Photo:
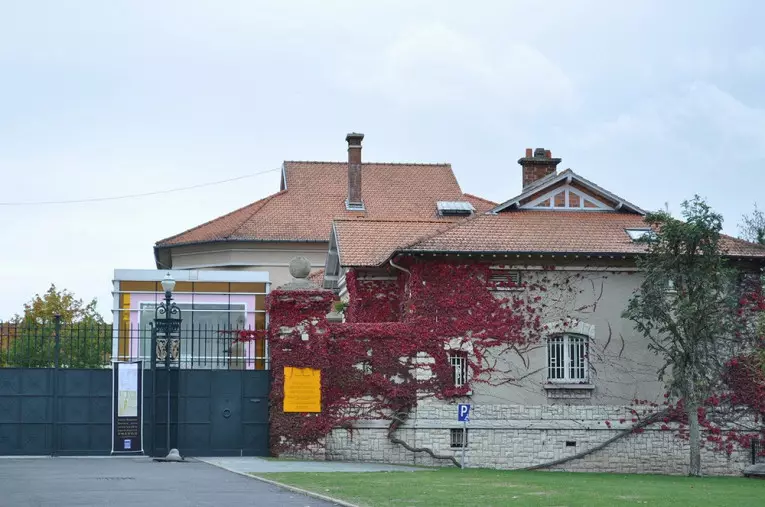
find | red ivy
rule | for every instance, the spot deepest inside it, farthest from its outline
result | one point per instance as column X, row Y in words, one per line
column 392, row 349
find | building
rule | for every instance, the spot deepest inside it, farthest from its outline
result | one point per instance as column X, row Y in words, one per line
column 296, row 220
column 575, row 388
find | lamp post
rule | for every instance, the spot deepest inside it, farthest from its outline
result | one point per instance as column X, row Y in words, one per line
column 167, row 321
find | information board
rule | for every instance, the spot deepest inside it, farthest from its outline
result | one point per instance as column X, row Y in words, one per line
column 127, row 417
column 302, row 389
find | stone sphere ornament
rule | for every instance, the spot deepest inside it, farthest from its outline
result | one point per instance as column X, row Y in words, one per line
column 300, row 267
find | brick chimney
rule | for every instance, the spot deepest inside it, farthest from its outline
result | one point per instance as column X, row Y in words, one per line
column 354, row 171
column 537, row 166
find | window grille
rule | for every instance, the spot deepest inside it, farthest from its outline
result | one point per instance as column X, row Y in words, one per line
column 459, row 364
column 567, row 359
column 756, row 452
column 456, row 438
column 503, row 279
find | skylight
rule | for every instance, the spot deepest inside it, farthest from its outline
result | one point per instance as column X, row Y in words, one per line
column 639, row 234
column 454, row 208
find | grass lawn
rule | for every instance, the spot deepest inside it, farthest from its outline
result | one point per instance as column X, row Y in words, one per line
column 478, row 488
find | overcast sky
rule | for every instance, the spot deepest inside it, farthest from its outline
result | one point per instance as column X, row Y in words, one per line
column 655, row 102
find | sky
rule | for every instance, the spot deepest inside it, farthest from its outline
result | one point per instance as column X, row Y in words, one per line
column 655, row 101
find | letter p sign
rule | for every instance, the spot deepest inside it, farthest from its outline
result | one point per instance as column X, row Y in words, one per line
column 463, row 411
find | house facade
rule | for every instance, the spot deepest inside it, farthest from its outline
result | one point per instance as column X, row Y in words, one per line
column 587, row 381
column 265, row 235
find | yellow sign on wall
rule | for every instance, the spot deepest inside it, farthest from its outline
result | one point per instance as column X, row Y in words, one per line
column 302, row 389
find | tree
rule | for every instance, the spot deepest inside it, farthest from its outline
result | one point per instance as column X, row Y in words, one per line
column 753, row 226
column 43, row 309
column 687, row 306
column 84, row 338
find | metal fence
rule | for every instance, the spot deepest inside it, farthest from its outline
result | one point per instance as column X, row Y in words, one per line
column 90, row 345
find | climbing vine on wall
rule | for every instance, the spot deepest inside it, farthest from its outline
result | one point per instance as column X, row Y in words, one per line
column 733, row 416
column 393, row 349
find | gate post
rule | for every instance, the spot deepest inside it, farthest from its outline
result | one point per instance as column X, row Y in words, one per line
column 54, row 382
column 153, row 389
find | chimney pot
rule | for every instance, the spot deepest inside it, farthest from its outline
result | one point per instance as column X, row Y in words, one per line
column 548, row 154
column 528, row 152
column 354, row 201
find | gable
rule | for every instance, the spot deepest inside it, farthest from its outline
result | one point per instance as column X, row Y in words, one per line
column 568, row 196
column 567, row 191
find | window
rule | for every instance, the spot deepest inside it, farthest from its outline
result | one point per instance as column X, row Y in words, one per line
column 459, row 364
column 365, row 367
column 567, row 359
column 456, row 208
column 639, row 234
column 458, row 438
column 504, row 279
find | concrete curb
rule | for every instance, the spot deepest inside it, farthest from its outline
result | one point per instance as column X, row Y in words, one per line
column 294, row 489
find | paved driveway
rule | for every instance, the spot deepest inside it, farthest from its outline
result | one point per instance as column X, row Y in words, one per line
column 123, row 482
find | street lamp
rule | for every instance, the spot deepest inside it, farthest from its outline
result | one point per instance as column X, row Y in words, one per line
column 167, row 321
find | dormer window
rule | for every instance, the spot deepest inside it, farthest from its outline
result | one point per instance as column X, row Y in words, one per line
column 455, row 208
column 639, row 234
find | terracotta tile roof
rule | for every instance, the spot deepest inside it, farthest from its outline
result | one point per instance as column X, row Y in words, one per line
column 315, row 195
column 740, row 248
column 370, row 242
column 554, row 232
column 317, row 277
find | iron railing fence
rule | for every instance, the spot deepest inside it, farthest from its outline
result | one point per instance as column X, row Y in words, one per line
column 91, row 345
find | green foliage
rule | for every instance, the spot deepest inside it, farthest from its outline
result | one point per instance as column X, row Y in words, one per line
column 82, row 345
column 688, row 307
column 339, row 306
column 42, row 309
column 687, row 303
column 752, row 227
column 85, row 341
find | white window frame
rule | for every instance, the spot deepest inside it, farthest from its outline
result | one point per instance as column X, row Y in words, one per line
column 458, row 360
column 574, row 366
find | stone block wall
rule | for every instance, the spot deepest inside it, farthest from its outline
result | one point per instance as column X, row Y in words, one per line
column 513, row 436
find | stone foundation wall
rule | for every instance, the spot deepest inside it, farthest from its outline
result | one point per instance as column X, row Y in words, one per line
column 509, row 437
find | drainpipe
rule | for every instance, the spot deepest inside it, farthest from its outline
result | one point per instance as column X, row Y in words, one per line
column 401, row 268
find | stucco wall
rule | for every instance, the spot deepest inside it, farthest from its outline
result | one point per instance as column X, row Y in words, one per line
column 273, row 257
column 621, row 366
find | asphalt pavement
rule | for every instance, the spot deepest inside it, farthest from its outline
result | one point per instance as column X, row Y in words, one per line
column 131, row 482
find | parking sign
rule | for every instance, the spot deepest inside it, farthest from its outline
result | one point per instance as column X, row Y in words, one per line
column 463, row 411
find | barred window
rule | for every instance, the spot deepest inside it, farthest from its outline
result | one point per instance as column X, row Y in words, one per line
column 458, row 437
column 459, row 364
column 567, row 358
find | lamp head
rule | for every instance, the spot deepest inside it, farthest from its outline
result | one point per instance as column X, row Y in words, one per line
column 168, row 283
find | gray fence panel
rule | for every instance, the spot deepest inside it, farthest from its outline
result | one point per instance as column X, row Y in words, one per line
column 26, row 414
column 84, row 412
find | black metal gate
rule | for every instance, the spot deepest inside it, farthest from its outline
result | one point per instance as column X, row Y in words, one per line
column 56, row 398
column 212, row 412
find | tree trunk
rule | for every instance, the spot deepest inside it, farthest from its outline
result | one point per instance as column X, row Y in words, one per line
column 695, row 439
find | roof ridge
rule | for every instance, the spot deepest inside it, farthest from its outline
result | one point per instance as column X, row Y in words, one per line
column 328, row 162
column 262, row 202
column 487, row 201
column 450, row 226
column 742, row 240
column 391, row 220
